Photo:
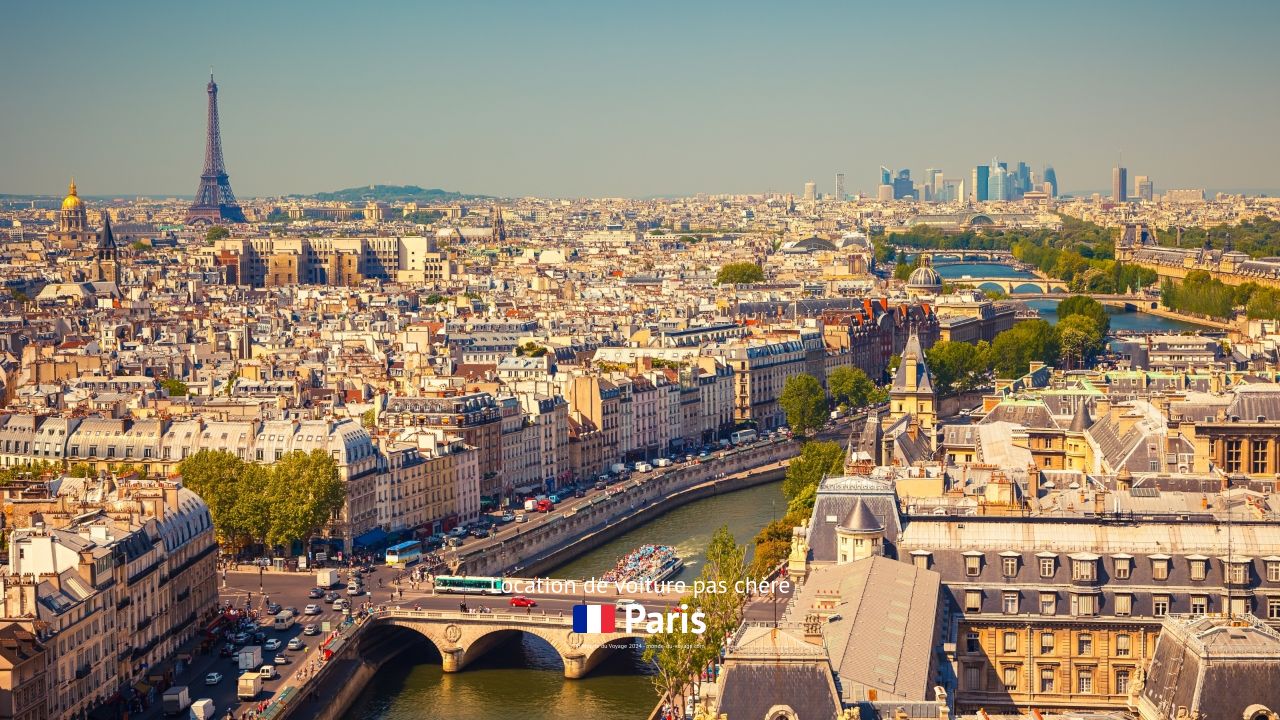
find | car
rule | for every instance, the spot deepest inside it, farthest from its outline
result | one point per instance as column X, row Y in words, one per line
column 342, row 605
column 330, row 597
column 293, row 610
column 315, row 593
column 281, row 660
column 312, row 609
column 267, row 672
column 228, row 650
column 602, row 485
column 294, row 644
column 522, row 601
column 239, row 638
column 271, row 645
column 213, row 678
column 260, row 637
column 479, row 532
column 310, row 630
column 273, row 607
column 579, row 493
column 508, row 517
column 520, row 518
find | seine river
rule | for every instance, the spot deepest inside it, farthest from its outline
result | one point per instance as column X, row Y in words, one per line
column 525, row 678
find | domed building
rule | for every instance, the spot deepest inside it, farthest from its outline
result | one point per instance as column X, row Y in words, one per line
column 924, row 280
column 73, row 223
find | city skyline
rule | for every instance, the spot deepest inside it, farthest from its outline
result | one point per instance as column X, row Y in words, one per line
column 574, row 101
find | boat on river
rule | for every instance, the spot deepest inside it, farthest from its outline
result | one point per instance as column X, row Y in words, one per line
column 647, row 563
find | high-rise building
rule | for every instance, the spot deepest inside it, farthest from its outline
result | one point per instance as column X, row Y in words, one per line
column 1119, row 184
column 884, row 193
column 1051, row 177
column 810, row 191
column 886, row 176
column 1143, row 187
column 902, row 185
column 839, row 187
column 938, row 183
column 981, row 180
column 1024, row 178
column 998, row 184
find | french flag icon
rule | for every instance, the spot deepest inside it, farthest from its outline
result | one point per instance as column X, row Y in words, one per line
column 593, row 618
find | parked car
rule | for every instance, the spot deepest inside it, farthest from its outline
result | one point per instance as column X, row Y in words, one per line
column 213, row 678
column 522, row 601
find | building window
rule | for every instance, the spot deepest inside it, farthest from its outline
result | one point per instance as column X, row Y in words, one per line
column 1199, row 604
column 1238, row 573
column 1083, row 605
column 1009, row 566
column 973, row 677
column 1273, row 571
column 1046, row 680
column 1084, row 644
column 1010, row 603
column 1048, row 603
column 1011, row 673
column 1011, row 642
column 972, row 565
column 1273, row 608
column 1082, row 570
column 1046, row 643
column 1124, row 605
column 1047, row 566
column 1123, row 644
column 1239, row 605
column 1122, row 682
column 1160, row 569
column 1233, row 455
column 971, row 643
column 1122, row 568
column 1258, row 457
column 1160, row 605
column 1199, row 568
column 1084, row 684
column 972, row 600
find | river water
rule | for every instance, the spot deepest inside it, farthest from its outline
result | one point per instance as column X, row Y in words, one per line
column 525, row 678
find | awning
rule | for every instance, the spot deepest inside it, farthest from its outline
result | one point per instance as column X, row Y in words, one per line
column 371, row 538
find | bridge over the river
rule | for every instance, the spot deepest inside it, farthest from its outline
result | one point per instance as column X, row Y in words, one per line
column 1129, row 302
column 957, row 256
column 462, row 637
column 1040, row 287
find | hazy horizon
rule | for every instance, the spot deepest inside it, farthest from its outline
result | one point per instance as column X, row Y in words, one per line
column 572, row 99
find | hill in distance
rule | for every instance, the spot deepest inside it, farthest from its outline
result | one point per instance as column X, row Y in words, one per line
column 394, row 193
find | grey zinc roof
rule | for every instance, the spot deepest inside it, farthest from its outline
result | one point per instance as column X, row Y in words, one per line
column 836, row 498
column 861, row 519
column 922, row 381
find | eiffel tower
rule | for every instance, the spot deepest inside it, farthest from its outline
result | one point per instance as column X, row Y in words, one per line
column 214, row 200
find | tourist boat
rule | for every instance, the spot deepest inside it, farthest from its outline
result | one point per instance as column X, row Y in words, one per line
column 647, row 563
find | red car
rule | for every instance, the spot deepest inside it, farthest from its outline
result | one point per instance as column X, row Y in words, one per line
column 522, row 601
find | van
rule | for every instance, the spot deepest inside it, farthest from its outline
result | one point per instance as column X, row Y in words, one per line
column 355, row 588
column 284, row 620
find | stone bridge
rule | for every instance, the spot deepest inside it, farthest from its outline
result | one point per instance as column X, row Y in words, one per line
column 463, row 637
column 1013, row 286
column 942, row 257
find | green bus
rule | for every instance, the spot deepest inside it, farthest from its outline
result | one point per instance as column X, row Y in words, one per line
column 472, row 585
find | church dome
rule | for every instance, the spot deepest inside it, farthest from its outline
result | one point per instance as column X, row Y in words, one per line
column 72, row 201
column 925, row 277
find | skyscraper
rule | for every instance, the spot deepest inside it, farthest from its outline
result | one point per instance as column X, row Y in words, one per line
column 998, row 184
column 886, row 176
column 981, row 179
column 1051, row 177
column 1120, row 184
column 1024, row 178
column 1143, row 187
column 902, row 185
column 839, row 186
column 810, row 191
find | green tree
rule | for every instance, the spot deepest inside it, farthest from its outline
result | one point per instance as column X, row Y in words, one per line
column 1080, row 339
column 850, row 386
column 676, row 657
column 1015, row 348
column 81, row 470
column 773, row 544
column 369, row 419
column 815, row 461
column 304, row 492
column 435, row 299
column 174, row 387
column 742, row 273
column 1087, row 306
column 216, row 476
column 215, row 233
column 725, row 573
column 804, row 402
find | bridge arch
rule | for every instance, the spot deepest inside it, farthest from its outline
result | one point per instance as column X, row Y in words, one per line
column 620, row 643
column 1026, row 287
column 993, row 285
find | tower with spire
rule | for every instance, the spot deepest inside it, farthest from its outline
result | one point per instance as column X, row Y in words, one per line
column 499, row 234
column 912, row 391
column 106, row 256
column 214, row 200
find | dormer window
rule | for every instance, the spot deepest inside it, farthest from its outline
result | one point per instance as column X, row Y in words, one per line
column 1084, row 567
column 1160, row 567
column 1199, row 566
column 1009, row 565
column 972, row 563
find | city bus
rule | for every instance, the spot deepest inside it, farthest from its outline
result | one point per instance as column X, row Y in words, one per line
column 474, row 585
column 404, row 554
column 743, row 436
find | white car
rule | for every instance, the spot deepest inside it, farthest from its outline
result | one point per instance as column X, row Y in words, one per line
column 213, row 678
column 272, row 644
column 282, row 660
column 295, row 644
column 267, row 672
column 311, row 630
column 311, row 610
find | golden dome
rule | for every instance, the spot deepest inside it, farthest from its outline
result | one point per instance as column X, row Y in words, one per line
column 71, row 201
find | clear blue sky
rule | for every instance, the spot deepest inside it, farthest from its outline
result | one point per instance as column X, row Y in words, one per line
column 634, row 98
